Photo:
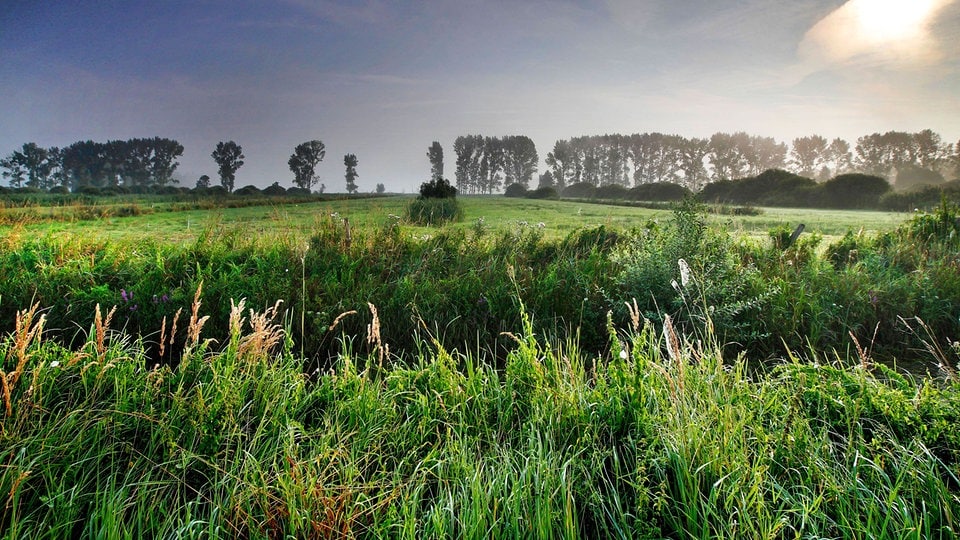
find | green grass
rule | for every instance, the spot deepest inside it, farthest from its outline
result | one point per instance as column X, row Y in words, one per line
column 493, row 379
column 663, row 439
column 559, row 218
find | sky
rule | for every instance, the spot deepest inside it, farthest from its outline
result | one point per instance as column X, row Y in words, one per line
column 384, row 79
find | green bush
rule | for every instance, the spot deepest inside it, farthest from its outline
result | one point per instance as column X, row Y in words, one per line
column 434, row 211
column 515, row 190
column 546, row 192
column 659, row 191
column 581, row 190
column 611, row 192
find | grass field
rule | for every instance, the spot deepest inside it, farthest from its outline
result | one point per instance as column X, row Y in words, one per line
column 614, row 373
column 295, row 222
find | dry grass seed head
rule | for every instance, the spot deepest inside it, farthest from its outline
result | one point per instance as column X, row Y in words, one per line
column 264, row 335
column 339, row 318
column 196, row 322
column 102, row 326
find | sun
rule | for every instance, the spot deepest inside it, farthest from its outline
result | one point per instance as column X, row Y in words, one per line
column 887, row 21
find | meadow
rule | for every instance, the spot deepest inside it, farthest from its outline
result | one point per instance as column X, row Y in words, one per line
column 542, row 369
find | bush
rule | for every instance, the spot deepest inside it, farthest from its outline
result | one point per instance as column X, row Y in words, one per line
column 659, row 191
column 434, row 211
column 247, row 191
column 515, row 190
column 60, row 190
column 275, row 190
column 581, row 190
column 547, row 192
column 438, row 188
column 853, row 191
column 612, row 192
column 774, row 187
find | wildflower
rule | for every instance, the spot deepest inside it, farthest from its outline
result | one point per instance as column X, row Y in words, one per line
column 623, row 354
column 55, row 363
column 684, row 272
column 123, row 294
column 541, row 225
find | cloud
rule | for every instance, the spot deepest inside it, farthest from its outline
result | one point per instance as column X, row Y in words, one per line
column 874, row 33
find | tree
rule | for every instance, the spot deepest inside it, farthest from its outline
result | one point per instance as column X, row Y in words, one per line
column 692, row 153
column 350, row 162
column 163, row 160
column 546, row 180
column 469, row 150
column 839, row 156
column 229, row 157
column 725, row 157
column 303, row 162
column 203, row 182
column 435, row 155
column 519, row 159
column 561, row 163
column 381, row 189
column 808, row 155
column 30, row 166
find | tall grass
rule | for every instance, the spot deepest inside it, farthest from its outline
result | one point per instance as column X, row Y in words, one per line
column 663, row 438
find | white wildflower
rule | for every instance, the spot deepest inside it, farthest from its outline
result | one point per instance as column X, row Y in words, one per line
column 55, row 363
column 684, row 272
column 623, row 354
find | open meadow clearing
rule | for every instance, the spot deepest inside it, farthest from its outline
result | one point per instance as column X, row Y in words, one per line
column 614, row 372
column 294, row 221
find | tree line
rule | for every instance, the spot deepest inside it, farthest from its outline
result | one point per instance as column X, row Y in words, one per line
column 487, row 164
column 147, row 165
column 646, row 158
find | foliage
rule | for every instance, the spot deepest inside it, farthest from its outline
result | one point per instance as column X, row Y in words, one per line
column 664, row 437
column 853, row 190
column 229, row 157
column 659, row 191
column 581, row 190
column 350, row 162
column 437, row 188
column 303, row 163
column 435, row 155
column 434, row 211
column 515, row 190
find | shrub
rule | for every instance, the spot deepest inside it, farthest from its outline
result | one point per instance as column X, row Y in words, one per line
column 546, row 192
column 612, row 192
column 659, row 191
column 59, row 190
column 580, row 190
column 434, row 211
column 275, row 190
column 515, row 190
column 438, row 188
column 88, row 190
column 853, row 190
column 247, row 191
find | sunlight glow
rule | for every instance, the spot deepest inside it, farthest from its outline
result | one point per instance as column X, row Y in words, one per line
column 885, row 21
column 889, row 32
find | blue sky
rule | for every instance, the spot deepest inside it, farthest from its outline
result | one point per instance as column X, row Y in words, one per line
column 383, row 79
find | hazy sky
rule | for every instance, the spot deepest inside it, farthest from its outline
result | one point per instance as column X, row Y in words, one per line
column 383, row 79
